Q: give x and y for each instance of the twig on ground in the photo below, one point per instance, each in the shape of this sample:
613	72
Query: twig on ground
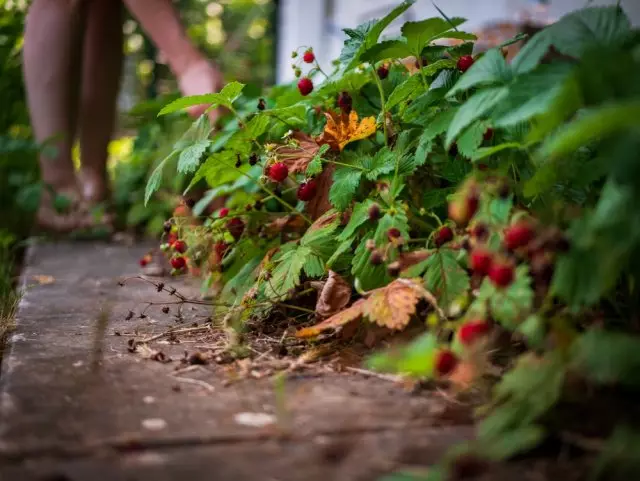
385	377
173	331
196	382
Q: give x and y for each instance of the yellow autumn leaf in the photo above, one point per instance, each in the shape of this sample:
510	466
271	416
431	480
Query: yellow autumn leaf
390	306
342	129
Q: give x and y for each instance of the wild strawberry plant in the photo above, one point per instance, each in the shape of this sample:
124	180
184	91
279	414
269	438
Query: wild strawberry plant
502	194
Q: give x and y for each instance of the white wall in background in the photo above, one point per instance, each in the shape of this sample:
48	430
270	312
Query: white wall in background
319	23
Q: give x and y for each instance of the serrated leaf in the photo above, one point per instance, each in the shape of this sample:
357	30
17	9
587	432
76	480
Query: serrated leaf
438	66
383	162
420	34
592	125
190	157
532	94
574	33
471	139
445	277
484	152
345	184
404	91
366	35
490	69
608	357
155	179
359	216
225	97
530	55
286	275
389	49
474	108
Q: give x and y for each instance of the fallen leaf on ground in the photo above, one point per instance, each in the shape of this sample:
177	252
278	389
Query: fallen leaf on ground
342	129
297	158
390	306
334	296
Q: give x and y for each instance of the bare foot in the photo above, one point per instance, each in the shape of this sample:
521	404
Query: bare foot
94	185
201	78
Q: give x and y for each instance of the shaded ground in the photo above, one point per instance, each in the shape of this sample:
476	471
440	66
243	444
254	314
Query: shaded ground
69	415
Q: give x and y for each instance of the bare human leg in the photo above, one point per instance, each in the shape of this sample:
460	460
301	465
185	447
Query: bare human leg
52	49
195	74
102	69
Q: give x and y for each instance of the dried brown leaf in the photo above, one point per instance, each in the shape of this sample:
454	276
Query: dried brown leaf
342	129
320	203
298	158
390	306
334	296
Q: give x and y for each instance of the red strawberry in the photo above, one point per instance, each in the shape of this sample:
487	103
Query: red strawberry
305	86
224	212
444	235
446	362
345	102
501	273
481	260
180	246
178	263
464	63
518	235
278	172
171	238
145	260
488	134
235	227
383	71
307	190
471	331
308	57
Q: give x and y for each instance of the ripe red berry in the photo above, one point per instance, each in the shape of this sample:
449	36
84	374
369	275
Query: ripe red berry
383	71
393	233
305	86
144	260
180	246
308	57
446	362
345	102
235	227
171	238
501	273
464	63
224	212
471	331
444	235
178	262
278	172
480	261
488	134
307	190
518	235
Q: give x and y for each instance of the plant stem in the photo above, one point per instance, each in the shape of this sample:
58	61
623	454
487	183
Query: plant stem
382	104
272	194
346	165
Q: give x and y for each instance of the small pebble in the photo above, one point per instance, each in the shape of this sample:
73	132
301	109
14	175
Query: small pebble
154	424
